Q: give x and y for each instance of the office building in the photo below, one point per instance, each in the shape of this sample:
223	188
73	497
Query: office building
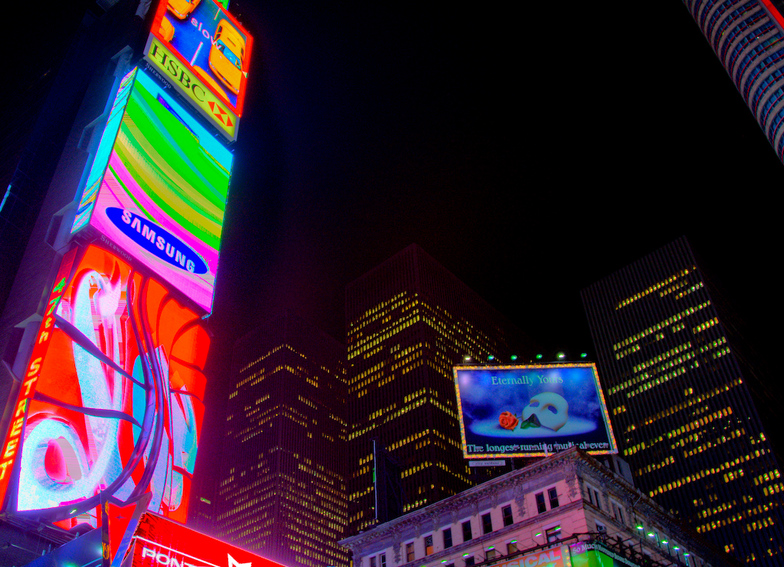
681	398
281	484
746	35
410	321
564	510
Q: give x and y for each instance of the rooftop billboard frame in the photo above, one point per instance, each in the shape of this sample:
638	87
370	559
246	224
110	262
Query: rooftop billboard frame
532	410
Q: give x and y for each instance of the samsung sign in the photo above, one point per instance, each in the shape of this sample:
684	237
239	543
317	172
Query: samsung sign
156	240
159	189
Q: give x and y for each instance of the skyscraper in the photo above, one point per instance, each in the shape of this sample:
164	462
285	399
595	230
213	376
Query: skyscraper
281	484
410	321
682	401
747	35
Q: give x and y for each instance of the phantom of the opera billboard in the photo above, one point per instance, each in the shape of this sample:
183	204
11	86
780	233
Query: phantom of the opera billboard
157	188
113	398
525	411
204	52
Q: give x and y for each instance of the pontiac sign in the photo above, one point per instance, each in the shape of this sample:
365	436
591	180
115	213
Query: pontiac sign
158	542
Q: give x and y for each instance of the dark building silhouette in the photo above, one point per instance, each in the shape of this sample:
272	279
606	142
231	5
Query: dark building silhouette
281	481
410	321
681	398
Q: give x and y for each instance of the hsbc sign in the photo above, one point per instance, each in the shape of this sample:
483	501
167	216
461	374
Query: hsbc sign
159	542
192	87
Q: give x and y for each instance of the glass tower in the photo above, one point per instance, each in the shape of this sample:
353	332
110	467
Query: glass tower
682	402
281	484
746	35
410	321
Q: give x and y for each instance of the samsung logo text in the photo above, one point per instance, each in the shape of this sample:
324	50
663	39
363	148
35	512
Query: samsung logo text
157	240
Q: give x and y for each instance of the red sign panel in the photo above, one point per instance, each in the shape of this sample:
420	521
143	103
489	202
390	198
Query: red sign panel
113	408
30	380
158	541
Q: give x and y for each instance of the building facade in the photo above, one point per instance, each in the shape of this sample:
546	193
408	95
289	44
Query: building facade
281	480
410	321
682	405
566	509
746	35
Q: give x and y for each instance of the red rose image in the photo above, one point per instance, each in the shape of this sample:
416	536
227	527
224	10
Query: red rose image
507	420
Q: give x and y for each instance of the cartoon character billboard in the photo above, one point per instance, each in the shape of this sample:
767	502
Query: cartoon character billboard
157	188
118	401
524	411
204	52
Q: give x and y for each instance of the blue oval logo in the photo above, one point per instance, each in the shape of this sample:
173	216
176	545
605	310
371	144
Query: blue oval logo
157	241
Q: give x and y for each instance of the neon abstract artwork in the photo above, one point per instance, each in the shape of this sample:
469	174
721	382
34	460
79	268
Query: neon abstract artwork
118	406
160	191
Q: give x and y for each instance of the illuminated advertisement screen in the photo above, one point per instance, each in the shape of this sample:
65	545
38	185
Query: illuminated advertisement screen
204	53
553	557
32	373
158	541
157	188
594	555
524	411
118	404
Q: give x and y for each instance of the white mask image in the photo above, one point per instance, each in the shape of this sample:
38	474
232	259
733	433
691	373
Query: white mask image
550	409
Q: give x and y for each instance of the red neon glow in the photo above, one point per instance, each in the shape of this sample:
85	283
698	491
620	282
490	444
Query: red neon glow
118	407
208	34
11	445
157	541
774	12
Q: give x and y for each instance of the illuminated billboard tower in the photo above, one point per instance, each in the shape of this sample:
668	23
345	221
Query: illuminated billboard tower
111	384
682	405
410	321
747	37
281	487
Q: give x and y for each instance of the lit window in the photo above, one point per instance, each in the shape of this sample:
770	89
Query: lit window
511	547
553	534
428	544
410	551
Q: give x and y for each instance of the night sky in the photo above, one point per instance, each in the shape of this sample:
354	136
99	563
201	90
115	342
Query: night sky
530	153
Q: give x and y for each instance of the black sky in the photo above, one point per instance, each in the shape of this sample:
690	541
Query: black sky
531	151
